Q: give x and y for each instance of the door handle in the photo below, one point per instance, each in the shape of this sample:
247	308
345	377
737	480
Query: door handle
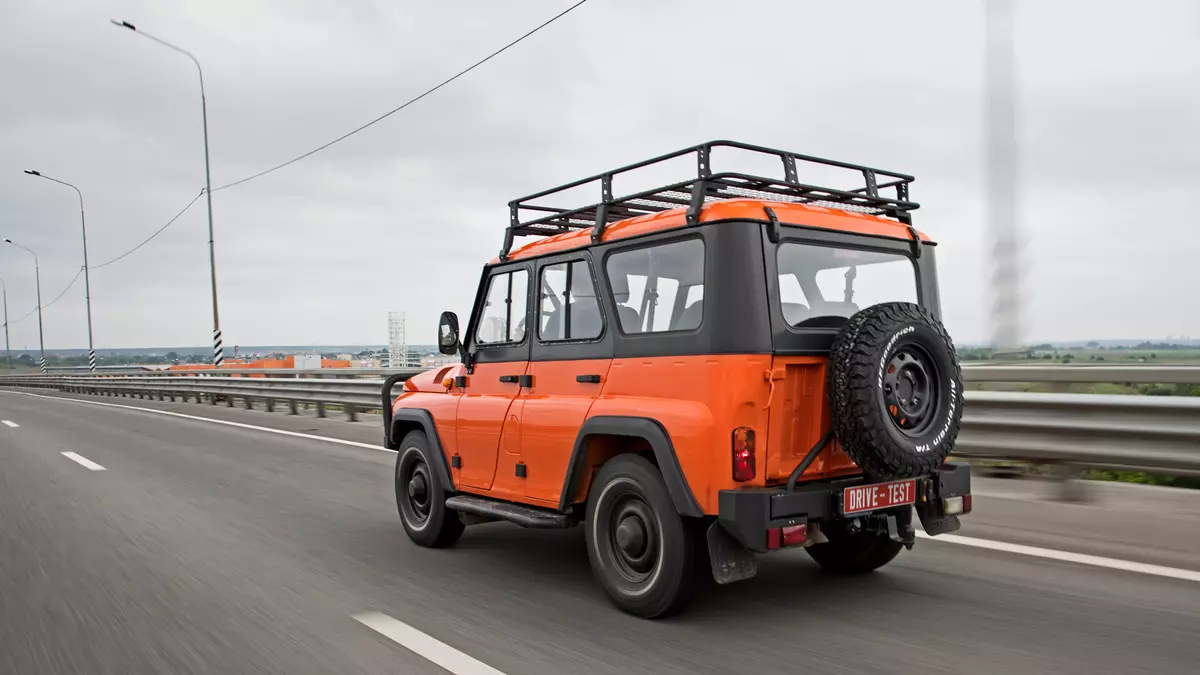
509	379
588	379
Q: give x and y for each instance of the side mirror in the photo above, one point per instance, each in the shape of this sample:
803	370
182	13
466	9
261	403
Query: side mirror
448	333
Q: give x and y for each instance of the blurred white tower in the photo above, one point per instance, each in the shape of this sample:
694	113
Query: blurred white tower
1002	193
397	341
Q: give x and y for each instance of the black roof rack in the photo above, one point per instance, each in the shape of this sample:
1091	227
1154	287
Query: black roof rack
530	217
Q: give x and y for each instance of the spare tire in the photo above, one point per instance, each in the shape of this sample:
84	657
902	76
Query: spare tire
895	390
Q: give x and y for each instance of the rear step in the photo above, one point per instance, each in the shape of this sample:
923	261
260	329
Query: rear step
525	516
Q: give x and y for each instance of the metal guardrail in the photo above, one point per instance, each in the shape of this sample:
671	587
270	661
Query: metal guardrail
352	395
1145	433
1153	433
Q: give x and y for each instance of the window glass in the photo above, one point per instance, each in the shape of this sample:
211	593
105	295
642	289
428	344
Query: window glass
822	286
568	314
658	288
503	317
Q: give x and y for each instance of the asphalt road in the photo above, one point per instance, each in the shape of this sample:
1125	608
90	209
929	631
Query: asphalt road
209	548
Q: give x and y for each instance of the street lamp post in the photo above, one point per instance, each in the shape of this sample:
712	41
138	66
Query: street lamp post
7	348
37	276
87	286
218	350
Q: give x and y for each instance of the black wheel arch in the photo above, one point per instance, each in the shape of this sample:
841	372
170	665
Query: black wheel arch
647	429
406	420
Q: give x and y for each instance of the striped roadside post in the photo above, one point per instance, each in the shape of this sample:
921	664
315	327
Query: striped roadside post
92	360
43	365
218	350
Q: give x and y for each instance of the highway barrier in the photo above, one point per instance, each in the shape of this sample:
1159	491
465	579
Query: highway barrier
1151	433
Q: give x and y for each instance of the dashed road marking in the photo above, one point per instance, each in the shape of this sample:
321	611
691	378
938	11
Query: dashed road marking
83	460
1067	556
432	649
10	423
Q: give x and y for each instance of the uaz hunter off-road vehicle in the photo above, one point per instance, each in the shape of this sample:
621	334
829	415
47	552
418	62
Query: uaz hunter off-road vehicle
701	372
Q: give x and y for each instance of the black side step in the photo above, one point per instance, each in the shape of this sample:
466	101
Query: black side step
525	516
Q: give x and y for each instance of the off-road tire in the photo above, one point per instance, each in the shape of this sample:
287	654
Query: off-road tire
426	519
629	486
862	354
858	553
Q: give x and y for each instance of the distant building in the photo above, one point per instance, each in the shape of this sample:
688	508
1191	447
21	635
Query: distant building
435	360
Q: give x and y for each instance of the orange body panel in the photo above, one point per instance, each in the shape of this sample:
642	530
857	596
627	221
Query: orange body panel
728	209
699	400
551	413
799	417
480	420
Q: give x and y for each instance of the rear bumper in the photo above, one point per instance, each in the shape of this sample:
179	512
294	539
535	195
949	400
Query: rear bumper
749	513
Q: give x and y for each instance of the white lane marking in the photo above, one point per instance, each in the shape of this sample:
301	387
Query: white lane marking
1067	556
434	650
11	424
83	460
240	425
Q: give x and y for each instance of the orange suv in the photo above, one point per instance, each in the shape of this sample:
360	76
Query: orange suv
699	372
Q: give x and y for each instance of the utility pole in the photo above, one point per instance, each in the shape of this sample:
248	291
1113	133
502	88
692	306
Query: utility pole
87	285
7	349
218	349
37	276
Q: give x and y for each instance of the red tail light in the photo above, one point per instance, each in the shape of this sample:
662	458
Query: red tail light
744	466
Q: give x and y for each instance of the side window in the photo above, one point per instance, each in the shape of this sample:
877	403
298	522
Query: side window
658	288
569	309
502	320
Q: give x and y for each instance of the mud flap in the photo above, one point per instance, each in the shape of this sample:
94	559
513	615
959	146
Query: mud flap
731	561
935	523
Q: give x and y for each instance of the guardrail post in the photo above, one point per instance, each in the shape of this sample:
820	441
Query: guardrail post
270	405
292	407
212	399
229	401
351	412
320	409
249	402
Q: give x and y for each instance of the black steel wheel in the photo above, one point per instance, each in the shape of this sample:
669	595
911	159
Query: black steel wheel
639	546
895	390
420	497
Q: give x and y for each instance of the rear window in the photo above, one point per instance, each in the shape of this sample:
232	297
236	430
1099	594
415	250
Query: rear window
658	288
821	286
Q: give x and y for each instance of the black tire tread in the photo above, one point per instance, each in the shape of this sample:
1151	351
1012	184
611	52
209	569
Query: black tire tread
677	584
447	526
857	417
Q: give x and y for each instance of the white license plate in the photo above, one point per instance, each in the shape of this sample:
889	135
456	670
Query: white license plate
864	498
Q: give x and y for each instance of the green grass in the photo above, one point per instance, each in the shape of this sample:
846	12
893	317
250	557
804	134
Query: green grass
1143	478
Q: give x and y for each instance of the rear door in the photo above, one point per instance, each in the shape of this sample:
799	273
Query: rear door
816	281
499	338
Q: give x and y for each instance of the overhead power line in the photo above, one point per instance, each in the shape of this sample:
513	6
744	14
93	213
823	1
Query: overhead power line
49	304
156	233
397	109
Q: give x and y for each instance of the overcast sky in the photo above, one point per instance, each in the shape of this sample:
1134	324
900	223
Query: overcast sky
401	216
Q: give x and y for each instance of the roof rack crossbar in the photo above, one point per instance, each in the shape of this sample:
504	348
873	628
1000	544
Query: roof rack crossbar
540	219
